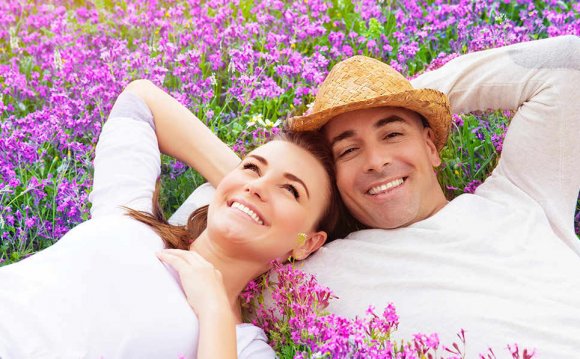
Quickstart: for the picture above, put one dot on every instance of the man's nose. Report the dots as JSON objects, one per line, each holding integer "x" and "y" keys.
{"x": 375, "y": 160}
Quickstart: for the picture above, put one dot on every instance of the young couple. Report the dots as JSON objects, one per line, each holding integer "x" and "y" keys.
{"x": 501, "y": 263}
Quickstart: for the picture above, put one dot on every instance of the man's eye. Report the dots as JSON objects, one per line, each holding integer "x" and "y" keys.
{"x": 292, "y": 190}
{"x": 392, "y": 135}
{"x": 346, "y": 152}
{"x": 252, "y": 167}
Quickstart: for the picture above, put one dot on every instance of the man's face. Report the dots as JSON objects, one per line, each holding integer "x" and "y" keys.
{"x": 384, "y": 166}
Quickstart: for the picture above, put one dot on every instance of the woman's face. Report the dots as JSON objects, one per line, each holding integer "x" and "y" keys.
{"x": 278, "y": 191}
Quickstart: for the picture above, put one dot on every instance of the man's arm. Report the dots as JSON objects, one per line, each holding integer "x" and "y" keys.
{"x": 541, "y": 80}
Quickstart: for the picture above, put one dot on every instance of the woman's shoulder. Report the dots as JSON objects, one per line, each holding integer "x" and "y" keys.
{"x": 252, "y": 342}
{"x": 104, "y": 233}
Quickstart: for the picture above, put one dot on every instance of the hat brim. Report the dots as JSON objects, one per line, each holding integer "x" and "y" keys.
{"x": 431, "y": 104}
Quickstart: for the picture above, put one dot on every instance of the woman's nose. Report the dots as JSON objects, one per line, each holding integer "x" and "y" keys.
{"x": 258, "y": 188}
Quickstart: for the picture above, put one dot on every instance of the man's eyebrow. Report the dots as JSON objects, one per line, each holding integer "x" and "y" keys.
{"x": 343, "y": 136}
{"x": 351, "y": 133}
{"x": 259, "y": 158}
{"x": 385, "y": 121}
{"x": 292, "y": 177}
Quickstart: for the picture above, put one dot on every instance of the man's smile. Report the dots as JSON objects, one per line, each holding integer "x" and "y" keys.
{"x": 384, "y": 187}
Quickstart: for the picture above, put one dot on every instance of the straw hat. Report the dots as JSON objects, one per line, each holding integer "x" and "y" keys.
{"x": 361, "y": 82}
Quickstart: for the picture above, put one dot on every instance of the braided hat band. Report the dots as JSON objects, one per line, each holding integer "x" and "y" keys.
{"x": 361, "y": 82}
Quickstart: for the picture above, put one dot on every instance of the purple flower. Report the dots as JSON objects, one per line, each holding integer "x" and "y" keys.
{"x": 472, "y": 186}
{"x": 29, "y": 222}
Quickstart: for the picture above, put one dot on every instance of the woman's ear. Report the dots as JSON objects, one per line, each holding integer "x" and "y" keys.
{"x": 310, "y": 245}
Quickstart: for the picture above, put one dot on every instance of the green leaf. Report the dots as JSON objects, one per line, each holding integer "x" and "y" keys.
{"x": 374, "y": 30}
{"x": 390, "y": 25}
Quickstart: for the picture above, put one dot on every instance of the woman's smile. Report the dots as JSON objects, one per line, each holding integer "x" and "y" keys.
{"x": 247, "y": 210}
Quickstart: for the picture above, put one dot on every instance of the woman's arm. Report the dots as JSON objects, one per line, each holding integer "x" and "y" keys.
{"x": 217, "y": 334}
{"x": 183, "y": 136}
{"x": 204, "y": 288}
{"x": 127, "y": 159}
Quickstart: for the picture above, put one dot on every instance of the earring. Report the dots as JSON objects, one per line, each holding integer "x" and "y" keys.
{"x": 302, "y": 237}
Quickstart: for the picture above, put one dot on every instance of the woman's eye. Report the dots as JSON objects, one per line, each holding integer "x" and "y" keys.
{"x": 252, "y": 167}
{"x": 292, "y": 190}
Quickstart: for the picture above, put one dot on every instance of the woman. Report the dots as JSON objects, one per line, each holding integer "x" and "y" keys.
{"x": 100, "y": 291}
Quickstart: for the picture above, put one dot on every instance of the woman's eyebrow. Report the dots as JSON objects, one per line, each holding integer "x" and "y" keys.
{"x": 259, "y": 158}
{"x": 292, "y": 177}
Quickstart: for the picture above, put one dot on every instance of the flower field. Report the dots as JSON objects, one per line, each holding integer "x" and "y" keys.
{"x": 242, "y": 66}
{"x": 298, "y": 326}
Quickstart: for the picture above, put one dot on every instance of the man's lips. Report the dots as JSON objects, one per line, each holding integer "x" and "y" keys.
{"x": 385, "y": 186}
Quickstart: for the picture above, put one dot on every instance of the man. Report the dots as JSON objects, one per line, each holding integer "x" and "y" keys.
{"x": 502, "y": 263}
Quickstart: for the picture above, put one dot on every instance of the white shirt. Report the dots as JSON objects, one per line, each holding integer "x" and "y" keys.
{"x": 100, "y": 291}
{"x": 503, "y": 263}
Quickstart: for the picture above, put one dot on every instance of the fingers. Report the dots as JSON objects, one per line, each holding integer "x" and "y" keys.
{"x": 183, "y": 261}
{"x": 175, "y": 261}
{"x": 189, "y": 257}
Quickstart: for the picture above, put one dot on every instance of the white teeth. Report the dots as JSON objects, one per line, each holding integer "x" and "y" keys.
{"x": 386, "y": 186}
{"x": 247, "y": 211}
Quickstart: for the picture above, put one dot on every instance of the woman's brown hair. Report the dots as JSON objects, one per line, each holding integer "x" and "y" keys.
{"x": 181, "y": 236}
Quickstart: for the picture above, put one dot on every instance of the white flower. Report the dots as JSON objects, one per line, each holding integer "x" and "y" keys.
{"x": 309, "y": 108}
{"x": 57, "y": 60}
{"x": 256, "y": 119}
{"x": 13, "y": 38}
{"x": 270, "y": 124}
{"x": 259, "y": 121}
